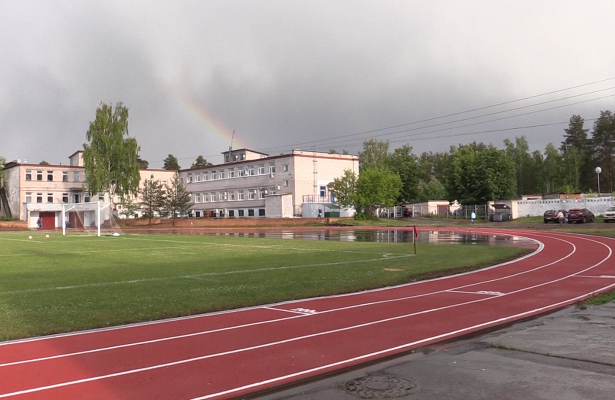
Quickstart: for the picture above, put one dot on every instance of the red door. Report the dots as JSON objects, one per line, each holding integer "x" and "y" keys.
{"x": 49, "y": 219}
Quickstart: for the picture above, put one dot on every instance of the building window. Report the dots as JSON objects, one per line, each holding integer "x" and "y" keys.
{"x": 323, "y": 191}
{"x": 261, "y": 194}
{"x": 231, "y": 213}
{"x": 64, "y": 197}
{"x": 240, "y": 213}
{"x": 39, "y": 175}
{"x": 39, "y": 197}
{"x": 250, "y": 170}
{"x": 64, "y": 176}
{"x": 285, "y": 167}
{"x": 261, "y": 169}
{"x": 223, "y": 196}
{"x": 49, "y": 197}
{"x": 28, "y": 175}
{"x": 240, "y": 195}
{"x": 205, "y": 197}
{"x": 285, "y": 183}
{"x": 272, "y": 167}
{"x": 231, "y": 195}
{"x": 213, "y": 175}
{"x": 28, "y": 197}
{"x": 221, "y": 213}
{"x": 222, "y": 174}
{"x": 205, "y": 176}
{"x": 251, "y": 194}
{"x": 75, "y": 176}
{"x": 197, "y": 177}
{"x": 197, "y": 197}
{"x": 189, "y": 179}
{"x": 261, "y": 212}
{"x": 50, "y": 176}
{"x": 242, "y": 172}
{"x": 101, "y": 196}
{"x": 87, "y": 198}
{"x": 231, "y": 172}
{"x": 213, "y": 196}
{"x": 250, "y": 213}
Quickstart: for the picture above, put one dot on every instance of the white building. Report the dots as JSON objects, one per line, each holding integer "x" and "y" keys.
{"x": 34, "y": 190}
{"x": 253, "y": 184}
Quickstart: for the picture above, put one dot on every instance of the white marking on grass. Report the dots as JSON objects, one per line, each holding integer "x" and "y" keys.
{"x": 195, "y": 276}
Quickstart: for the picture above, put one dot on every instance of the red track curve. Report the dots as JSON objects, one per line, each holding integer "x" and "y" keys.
{"x": 231, "y": 354}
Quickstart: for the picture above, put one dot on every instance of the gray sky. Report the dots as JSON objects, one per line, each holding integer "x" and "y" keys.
{"x": 300, "y": 74}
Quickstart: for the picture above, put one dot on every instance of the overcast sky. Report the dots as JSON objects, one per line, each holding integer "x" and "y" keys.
{"x": 300, "y": 74}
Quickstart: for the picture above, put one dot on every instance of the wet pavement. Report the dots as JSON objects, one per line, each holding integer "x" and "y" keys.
{"x": 567, "y": 355}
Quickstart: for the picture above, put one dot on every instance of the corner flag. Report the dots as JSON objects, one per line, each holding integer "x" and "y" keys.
{"x": 416, "y": 234}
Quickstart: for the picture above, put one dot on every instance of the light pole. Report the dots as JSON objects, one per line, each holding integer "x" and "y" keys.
{"x": 598, "y": 171}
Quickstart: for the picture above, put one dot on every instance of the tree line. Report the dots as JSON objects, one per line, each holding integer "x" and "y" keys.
{"x": 477, "y": 173}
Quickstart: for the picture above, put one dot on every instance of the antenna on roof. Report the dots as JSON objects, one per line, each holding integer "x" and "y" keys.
{"x": 230, "y": 148}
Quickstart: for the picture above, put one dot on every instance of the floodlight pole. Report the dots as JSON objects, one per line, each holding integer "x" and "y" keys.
{"x": 598, "y": 171}
{"x": 98, "y": 221}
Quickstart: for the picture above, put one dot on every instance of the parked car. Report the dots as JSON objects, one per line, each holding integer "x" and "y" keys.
{"x": 551, "y": 215}
{"x": 609, "y": 215}
{"x": 580, "y": 215}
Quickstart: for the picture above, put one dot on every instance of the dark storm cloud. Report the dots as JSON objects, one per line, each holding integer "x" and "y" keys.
{"x": 296, "y": 74}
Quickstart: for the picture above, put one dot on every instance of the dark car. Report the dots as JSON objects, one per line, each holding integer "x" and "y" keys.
{"x": 580, "y": 215}
{"x": 551, "y": 215}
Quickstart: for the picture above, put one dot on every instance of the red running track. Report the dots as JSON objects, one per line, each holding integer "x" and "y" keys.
{"x": 231, "y": 354}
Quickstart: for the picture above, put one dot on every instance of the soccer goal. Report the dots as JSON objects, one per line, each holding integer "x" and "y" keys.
{"x": 92, "y": 218}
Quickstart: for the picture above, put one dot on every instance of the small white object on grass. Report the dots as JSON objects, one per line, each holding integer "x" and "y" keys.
{"x": 29, "y": 237}
{"x": 115, "y": 234}
{"x": 47, "y": 236}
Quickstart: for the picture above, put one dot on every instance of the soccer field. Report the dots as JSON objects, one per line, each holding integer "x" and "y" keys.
{"x": 66, "y": 283}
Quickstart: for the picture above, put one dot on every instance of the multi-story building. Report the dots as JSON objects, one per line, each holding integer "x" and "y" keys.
{"x": 34, "y": 190}
{"x": 253, "y": 184}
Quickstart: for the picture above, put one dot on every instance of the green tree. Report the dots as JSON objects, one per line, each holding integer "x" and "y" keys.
{"x": 603, "y": 144}
{"x": 152, "y": 199}
{"x": 143, "y": 164}
{"x": 171, "y": 164}
{"x": 519, "y": 153}
{"x": 344, "y": 189}
{"x": 200, "y": 162}
{"x": 551, "y": 169}
{"x": 406, "y": 165}
{"x": 130, "y": 209}
{"x": 377, "y": 188}
{"x": 43, "y": 163}
{"x": 177, "y": 200}
{"x": 110, "y": 158}
{"x": 374, "y": 154}
{"x": 431, "y": 190}
{"x": 576, "y": 139}
{"x": 479, "y": 174}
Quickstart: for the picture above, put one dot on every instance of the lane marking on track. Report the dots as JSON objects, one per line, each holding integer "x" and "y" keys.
{"x": 597, "y": 276}
{"x": 484, "y": 292}
{"x": 302, "y": 311}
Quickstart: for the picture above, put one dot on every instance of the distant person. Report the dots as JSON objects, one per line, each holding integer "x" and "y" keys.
{"x": 39, "y": 222}
{"x": 561, "y": 217}
{"x": 473, "y": 216}
{"x": 319, "y": 213}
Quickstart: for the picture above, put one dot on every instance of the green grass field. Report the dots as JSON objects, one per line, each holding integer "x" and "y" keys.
{"x": 67, "y": 283}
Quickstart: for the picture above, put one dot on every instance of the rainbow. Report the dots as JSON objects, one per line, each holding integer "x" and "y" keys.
{"x": 212, "y": 124}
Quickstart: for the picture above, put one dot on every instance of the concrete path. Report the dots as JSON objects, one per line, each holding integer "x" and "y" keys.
{"x": 568, "y": 355}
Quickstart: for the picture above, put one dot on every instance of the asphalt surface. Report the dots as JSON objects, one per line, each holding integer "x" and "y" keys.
{"x": 567, "y": 355}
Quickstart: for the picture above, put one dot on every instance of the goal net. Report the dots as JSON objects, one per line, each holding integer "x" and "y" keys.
{"x": 92, "y": 218}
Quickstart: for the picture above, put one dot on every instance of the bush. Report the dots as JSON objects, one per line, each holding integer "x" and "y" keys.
{"x": 6, "y": 219}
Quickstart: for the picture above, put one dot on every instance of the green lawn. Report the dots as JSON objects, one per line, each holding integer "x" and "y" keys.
{"x": 67, "y": 283}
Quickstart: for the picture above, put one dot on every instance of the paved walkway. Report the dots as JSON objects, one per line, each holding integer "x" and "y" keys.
{"x": 568, "y": 355}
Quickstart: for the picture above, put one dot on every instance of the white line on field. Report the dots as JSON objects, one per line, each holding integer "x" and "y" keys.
{"x": 204, "y": 274}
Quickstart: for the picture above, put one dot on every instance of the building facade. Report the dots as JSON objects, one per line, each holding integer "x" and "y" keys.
{"x": 248, "y": 183}
{"x": 36, "y": 191}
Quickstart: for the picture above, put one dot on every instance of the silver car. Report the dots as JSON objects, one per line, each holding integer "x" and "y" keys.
{"x": 609, "y": 215}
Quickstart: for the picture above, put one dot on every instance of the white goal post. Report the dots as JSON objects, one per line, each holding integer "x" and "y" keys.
{"x": 87, "y": 215}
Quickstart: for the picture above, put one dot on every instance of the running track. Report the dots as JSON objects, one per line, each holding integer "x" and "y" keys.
{"x": 233, "y": 354}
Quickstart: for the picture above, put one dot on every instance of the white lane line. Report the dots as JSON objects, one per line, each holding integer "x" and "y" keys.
{"x": 483, "y": 292}
{"x": 302, "y": 311}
